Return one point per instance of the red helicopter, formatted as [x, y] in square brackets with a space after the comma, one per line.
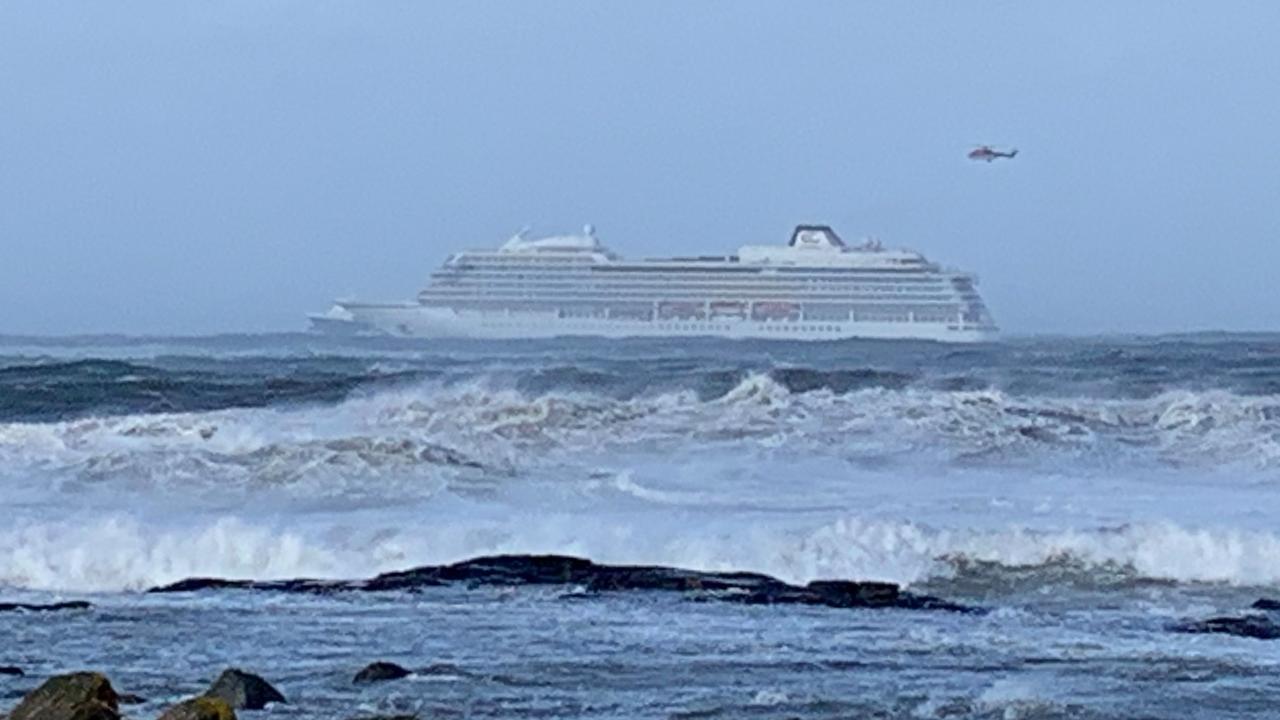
[986, 152]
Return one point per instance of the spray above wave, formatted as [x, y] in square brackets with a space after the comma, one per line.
[122, 552]
[411, 431]
[994, 470]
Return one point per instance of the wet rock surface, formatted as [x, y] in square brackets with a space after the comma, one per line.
[1258, 627]
[76, 696]
[244, 691]
[49, 607]
[380, 672]
[201, 708]
[94, 711]
[591, 577]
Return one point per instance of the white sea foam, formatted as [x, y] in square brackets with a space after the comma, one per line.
[759, 478]
[511, 429]
[124, 552]
[121, 553]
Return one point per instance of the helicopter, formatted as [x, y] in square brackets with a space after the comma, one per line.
[986, 152]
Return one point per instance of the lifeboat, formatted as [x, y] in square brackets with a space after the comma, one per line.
[775, 311]
[681, 310]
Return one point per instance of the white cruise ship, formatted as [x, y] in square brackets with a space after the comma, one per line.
[813, 288]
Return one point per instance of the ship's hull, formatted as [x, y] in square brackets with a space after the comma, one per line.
[418, 321]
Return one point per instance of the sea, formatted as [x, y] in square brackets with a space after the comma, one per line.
[1088, 495]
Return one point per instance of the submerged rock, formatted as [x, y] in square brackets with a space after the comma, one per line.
[50, 607]
[442, 670]
[379, 672]
[1258, 627]
[77, 696]
[11, 670]
[507, 570]
[200, 708]
[244, 691]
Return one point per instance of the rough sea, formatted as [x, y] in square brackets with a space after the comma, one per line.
[1089, 495]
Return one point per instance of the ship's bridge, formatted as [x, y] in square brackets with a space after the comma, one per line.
[586, 242]
[574, 248]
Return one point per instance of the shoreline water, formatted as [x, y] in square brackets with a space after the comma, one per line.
[1091, 496]
[604, 640]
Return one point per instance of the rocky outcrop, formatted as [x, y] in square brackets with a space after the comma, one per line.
[77, 696]
[594, 578]
[50, 607]
[201, 708]
[380, 672]
[846, 594]
[244, 691]
[294, 586]
[1258, 627]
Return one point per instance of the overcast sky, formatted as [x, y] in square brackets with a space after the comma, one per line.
[194, 167]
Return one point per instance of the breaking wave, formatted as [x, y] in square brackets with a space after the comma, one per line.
[43, 382]
[477, 425]
[126, 553]
[1003, 468]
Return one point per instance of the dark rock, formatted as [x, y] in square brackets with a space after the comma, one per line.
[51, 607]
[200, 708]
[624, 578]
[492, 570]
[380, 671]
[92, 711]
[289, 586]
[508, 570]
[1258, 627]
[847, 594]
[1267, 604]
[198, 584]
[244, 691]
[11, 670]
[131, 699]
[929, 602]
[844, 593]
[77, 696]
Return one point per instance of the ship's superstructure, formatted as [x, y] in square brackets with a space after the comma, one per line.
[813, 288]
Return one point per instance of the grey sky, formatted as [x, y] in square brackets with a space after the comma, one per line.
[191, 167]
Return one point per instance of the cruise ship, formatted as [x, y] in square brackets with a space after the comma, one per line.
[815, 287]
